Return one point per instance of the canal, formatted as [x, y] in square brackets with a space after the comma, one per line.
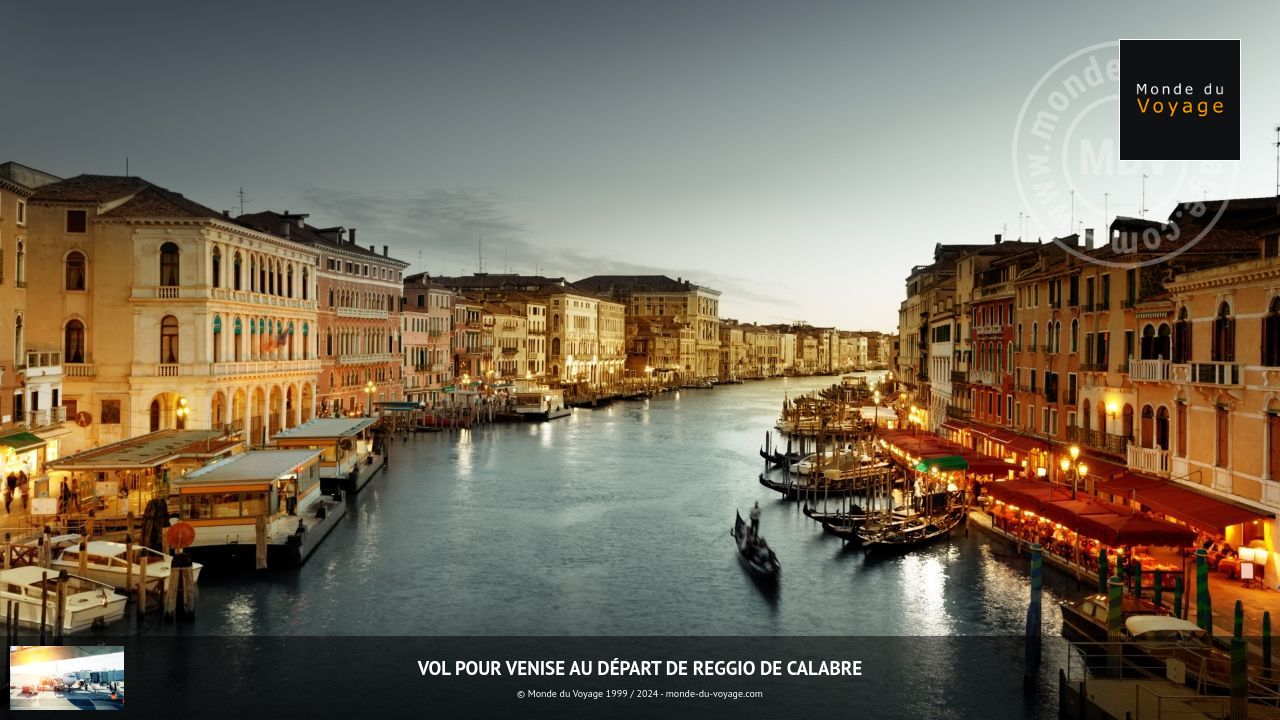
[615, 521]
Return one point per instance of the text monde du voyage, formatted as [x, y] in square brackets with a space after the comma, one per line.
[618, 667]
[1180, 100]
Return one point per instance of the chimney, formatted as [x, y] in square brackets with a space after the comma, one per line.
[284, 228]
[1088, 238]
[384, 251]
[998, 238]
[351, 233]
[373, 249]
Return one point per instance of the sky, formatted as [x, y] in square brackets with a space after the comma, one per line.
[799, 157]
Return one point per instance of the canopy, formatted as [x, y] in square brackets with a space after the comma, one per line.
[1141, 624]
[990, 466]
[21, 441]
[1026, 494]
[1068, 512]
[1202, 511]
[1115, 530]
[942, 463]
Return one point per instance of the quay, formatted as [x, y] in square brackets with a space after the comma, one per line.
[350, 453]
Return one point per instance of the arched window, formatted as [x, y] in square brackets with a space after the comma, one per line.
[20, 265]
[169, 264]
[216, 266]
[1271, 335]
[1162, 428]
[75, 270]
[1075, 335]
[73, 342]
[1162, 344]
[253, 273]
[235, 272]
[305, 280]
[1224, 335]
[235, 340]
[289, 283]
[217, 338]
[555, 346]
[271, 279]
[169, 339]
[1182, 338]
[1148, 426]
[1146, 350]
[1126, 417]
[306, 349]
[1035, 336]
[328, 342]
[1085, 417]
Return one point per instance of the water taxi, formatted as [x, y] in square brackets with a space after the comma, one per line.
[87, 603]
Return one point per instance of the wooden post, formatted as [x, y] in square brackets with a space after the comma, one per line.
[128, 568]
[142, 586]
[189, 592]
[260, 556]
[62, 607]
[171, 592]
[44, 606]
[84, 557]
[129, 523]
[7, 549]
[89, 523]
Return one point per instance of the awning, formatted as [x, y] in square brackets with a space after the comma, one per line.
[1117, 530]
[1026, 494]
[20, 441]
[991, 466]
[942, 463]
[1125, 482]
[1193, 508]
[955, 425]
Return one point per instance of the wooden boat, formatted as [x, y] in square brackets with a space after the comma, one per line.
[109, 562]
[1162, 638]
[795, 490]
[1085, 620]
[88, 603]
[914, 533]
[755, 554]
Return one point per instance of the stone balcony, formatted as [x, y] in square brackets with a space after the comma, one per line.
[984, 377]
[364, 313]
[365, 358]
[43, 363]
[265, 367]
[1148, 370]
[1149, 460]
[1207, 373]
[76, 370]
[1098, 440]
[37, 419]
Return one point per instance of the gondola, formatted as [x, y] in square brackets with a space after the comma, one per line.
[911, 534]
[802, 488]
[755, 554]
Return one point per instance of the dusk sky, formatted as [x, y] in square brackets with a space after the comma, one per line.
[798, 157]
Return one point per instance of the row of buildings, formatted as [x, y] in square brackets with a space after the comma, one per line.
[129, 308]
[1154, 349]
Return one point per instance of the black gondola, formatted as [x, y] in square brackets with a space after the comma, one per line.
[755, 554]
[801, 488]
[911, 534]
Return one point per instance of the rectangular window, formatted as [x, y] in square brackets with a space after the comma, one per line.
[110, 412]
[22, 213]
[1104, 299]
[77, 221]
[1071, 389]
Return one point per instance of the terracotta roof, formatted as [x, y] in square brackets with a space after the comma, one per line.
[156, 202]
[89, 189]
[272, 223]
[622, 285]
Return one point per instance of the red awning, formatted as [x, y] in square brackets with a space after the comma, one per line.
[1125, 482]
[1068, 511]
[1026, 494]
[1024, 444]
[1117, 530]
[991, 466]
[955, 425]
[1202, 511]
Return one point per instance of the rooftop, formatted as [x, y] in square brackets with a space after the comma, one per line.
[251, 465]
[149, 451]
[327, 428]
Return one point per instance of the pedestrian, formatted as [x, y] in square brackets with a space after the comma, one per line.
[8, 498]
[24, 491]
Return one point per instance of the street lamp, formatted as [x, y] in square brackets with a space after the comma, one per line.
[182, 412]
[1074, 470]
[368, 391]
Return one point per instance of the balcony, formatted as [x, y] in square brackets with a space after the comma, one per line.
[957, 413]
[44, 418]
[1148, 370]
[365, 358]
[1093, 367]
[365, 313]
[984, 377]
[264, 367]
[1098, 440]
[43, 363]
[78, 370]
[1210, 373]
[1149, 460]
[244, 296]
[959, 377]
[988, 329]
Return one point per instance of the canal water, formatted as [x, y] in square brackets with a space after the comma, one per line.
[615, 521]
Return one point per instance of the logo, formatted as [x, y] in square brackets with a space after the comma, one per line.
[1180, 99]
[1071, 176]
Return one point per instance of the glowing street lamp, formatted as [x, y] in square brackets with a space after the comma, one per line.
[369, 387]
[182, 412]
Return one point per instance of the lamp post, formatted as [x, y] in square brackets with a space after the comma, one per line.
[368, 391]
[182, 412]
[1074, 468]
[875, 424]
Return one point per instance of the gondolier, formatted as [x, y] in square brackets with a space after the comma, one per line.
[755, 519]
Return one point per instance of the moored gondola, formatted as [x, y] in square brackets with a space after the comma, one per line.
[755, 554]
[911, 534]
[803, 488]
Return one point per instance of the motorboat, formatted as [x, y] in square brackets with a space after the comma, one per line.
[113, 563]
[1085, 620]
[88, 603]
[1163, 638]
[542, 404]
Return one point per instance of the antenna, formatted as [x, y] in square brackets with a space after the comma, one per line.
[240, 194]
[480, 254]
[1073, 211]
[419, 259]
[126, 161]
[1277, 144]
[1106, 212]
[1143, 209]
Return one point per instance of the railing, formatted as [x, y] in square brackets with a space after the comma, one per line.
[20, 283]
[364, 358]
[1098, 440]
[984, 377]
[78, 369]
[1104, 305]
[959, 376]
[46, 417]
[1048, 349]
[167, 291]
[245, 296]
[988, 329]
[1152, 460]
[957, 413]
[1093, 366]
[1211, 373]
[1148, 370]
[253, 367]
[1087, 307]
[167, 369]
[368, 313]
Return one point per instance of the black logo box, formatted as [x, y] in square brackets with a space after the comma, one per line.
[1186, 68]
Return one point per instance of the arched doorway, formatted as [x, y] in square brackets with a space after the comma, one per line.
[1127, 424]
[308, 397]
[257, 417]
[290, 407]
[238, 410]
[1162, 428]
[218, 409]
[154, 414]
[275, 417]
[1148, 426]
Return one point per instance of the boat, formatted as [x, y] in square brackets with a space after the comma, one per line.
[1163, 638]
[352, 454]
[913, 533]
[88, 603]
[847, 459]
[542, 404]
[755, 554]
[109, 562]
[796, 489]
[1085, 620]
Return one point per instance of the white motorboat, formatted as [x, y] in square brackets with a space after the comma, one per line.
[109, 562]
[539, 404]
[88, 603]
